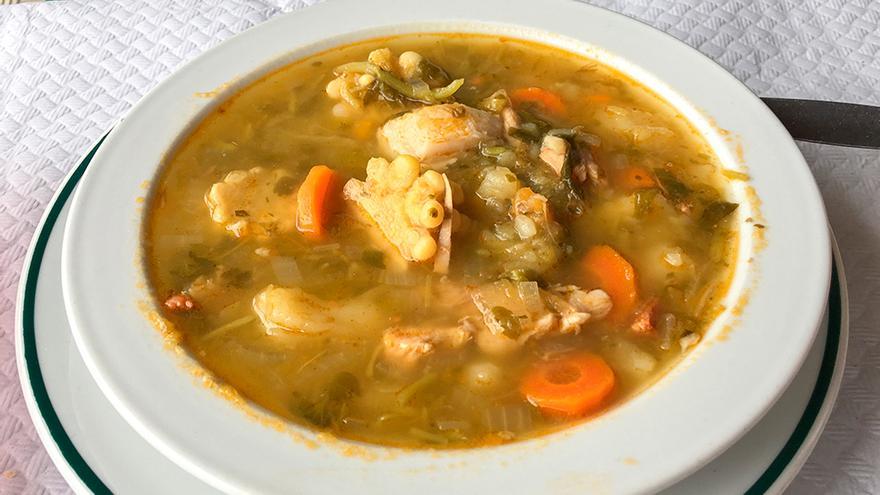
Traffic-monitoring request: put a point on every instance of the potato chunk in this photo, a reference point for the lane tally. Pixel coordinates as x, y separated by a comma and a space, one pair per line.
293, 310
406, 205
437, 133
258, 202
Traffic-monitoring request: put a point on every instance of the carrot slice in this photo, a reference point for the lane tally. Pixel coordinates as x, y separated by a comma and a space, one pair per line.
616, 276
316, 200
549, 100
574, 385
634, 178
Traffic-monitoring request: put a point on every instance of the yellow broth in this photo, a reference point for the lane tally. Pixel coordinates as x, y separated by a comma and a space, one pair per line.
682, 260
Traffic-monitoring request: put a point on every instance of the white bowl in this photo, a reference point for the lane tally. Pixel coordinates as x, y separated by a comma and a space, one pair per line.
692, 414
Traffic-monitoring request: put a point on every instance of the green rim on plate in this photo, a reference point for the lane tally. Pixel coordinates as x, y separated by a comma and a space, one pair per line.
94, 483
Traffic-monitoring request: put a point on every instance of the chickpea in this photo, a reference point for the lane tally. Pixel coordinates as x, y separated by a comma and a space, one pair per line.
432, 214
334, 88
342, 110
382, 57
409, 64
482, 376
425, 248
365, 80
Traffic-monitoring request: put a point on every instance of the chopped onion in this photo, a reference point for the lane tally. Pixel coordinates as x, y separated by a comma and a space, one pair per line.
530, 294
510, 417
689, 341
674, 257
286, 270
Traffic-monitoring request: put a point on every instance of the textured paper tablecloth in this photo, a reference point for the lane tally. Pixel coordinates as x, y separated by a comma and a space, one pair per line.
69, 69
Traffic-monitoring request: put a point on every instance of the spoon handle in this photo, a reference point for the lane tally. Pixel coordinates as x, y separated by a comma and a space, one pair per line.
828, 122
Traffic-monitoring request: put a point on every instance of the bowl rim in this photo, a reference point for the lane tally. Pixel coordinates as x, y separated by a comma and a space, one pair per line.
796, 237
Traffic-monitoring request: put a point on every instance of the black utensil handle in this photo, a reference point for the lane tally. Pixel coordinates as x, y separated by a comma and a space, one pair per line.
844, 124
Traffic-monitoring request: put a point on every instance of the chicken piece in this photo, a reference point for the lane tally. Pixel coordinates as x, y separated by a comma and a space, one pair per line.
283, 309
529, 203
218, 289
575, 306
554, 151
180, 303
407, 346
258, 202
522, 311
435, 134
408, 207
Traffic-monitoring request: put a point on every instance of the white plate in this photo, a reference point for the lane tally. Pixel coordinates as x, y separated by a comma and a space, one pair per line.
97, 451
691, 415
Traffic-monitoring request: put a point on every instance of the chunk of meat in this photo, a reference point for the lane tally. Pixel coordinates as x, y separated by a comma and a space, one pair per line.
256, 202
407, 346
180, 303
435, 134
290, 309
522, 311
643, 323
575, 306
554, 151
407, 206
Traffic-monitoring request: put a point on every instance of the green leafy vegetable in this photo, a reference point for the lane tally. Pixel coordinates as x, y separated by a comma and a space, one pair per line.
715, 212
416, 91
674, 190
642, 201
331, 405
509, 323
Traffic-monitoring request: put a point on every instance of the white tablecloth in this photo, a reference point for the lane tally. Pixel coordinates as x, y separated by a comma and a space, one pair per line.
69, 69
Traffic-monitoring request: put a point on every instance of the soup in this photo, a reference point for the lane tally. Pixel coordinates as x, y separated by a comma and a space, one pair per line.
440, 240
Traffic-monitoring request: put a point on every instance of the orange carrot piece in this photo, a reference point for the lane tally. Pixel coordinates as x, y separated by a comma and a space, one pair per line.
549, 100
571, 386
634, 178
316, 200
616, 276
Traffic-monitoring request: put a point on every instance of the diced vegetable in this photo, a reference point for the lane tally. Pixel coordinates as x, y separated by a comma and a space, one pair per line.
316, 200
571, 386
412, 91
548, 100
634, 178
674, 190
616, 276
329, 407
642, 201
716, 212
